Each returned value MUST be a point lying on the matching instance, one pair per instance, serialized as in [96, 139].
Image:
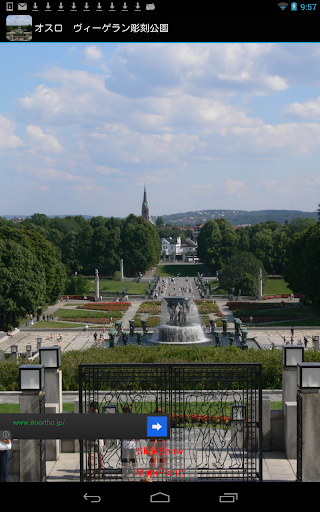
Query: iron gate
[216, 429]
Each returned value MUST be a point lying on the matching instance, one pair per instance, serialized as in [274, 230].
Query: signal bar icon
[283, 5]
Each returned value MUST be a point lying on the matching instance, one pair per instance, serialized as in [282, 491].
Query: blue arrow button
[157, 426]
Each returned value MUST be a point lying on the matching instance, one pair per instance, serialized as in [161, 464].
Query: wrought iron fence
[215, 420]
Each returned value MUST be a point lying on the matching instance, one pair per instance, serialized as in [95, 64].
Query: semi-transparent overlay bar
[84, 426]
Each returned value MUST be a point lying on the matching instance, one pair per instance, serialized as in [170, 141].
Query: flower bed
[207, 306]
[85, 320]
[201, 419]
[151, 308]
[252, 305]
[106, 306]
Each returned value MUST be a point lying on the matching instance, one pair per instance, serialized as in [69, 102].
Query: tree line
[291, 250]
[40, 255]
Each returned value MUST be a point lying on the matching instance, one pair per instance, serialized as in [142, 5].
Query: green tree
[77, 285]
[84, 249]
[159, 222]
[241, 271]
[140, 245]
[209, 243]
[46, 253]
[23, 282]
[302, 270]
[261, 246]
[229, 240]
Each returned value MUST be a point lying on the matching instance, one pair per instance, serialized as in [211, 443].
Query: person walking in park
[158, 459]
[128, 449]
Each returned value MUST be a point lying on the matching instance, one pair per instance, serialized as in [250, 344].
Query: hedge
[271, 361]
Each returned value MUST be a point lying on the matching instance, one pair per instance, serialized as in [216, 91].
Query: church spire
[145, 206]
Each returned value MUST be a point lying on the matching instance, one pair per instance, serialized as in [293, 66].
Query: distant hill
[237, 217]
[11, 217]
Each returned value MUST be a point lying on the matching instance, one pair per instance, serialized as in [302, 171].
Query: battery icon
[228, 497]
[294, 6]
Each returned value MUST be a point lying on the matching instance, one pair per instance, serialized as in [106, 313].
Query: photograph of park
[159, 256]
[19, 28]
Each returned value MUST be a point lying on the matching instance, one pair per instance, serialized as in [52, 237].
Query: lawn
[69, 407]
[183, 270]
[276, 286]
[111, 286]
[15, 408]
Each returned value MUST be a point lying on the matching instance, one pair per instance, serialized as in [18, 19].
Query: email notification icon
[22, 7]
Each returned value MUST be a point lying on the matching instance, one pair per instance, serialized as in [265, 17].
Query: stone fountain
[180, 322]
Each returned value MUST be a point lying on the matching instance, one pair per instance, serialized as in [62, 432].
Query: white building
[172, 249]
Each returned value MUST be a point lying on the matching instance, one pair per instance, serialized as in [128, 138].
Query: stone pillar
[97, 293]
[30, 465]
[310, 417]
[260, 285]
[290, 429]
[121, 269]
[52, 445]
[14, 355]
[289, 385]
[53, 387]
[289, 405]
[53, 390]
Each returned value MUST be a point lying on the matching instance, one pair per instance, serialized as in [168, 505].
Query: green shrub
[271, 361]
[9, 376]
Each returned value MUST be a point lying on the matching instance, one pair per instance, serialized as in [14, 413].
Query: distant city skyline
[204, 125]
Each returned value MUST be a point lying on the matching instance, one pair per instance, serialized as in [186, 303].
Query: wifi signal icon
[283, 5]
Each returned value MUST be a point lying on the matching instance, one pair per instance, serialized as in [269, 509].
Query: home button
[159, 497]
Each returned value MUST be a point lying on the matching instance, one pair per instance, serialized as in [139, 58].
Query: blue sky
[204, 125]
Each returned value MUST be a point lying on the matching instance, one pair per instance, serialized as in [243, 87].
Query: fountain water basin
[180, 322]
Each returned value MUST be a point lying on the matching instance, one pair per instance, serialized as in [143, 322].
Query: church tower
[145, 206]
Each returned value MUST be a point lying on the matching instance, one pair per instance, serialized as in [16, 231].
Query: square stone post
[308, 400]
[292, 356]
[52, 445]
[53, 387]
[310, 442]
[53, 390]
[30, 451]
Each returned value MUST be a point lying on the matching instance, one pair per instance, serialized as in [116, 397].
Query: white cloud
[305, 110]
[93, 53]
[95, 56]
[199, 186]
[43, 141]
[275, 187]
[18, 20]
[167, 112]
[7, 138]
[234, 187]
[296, 138]
[211, 68]
[103, 169]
